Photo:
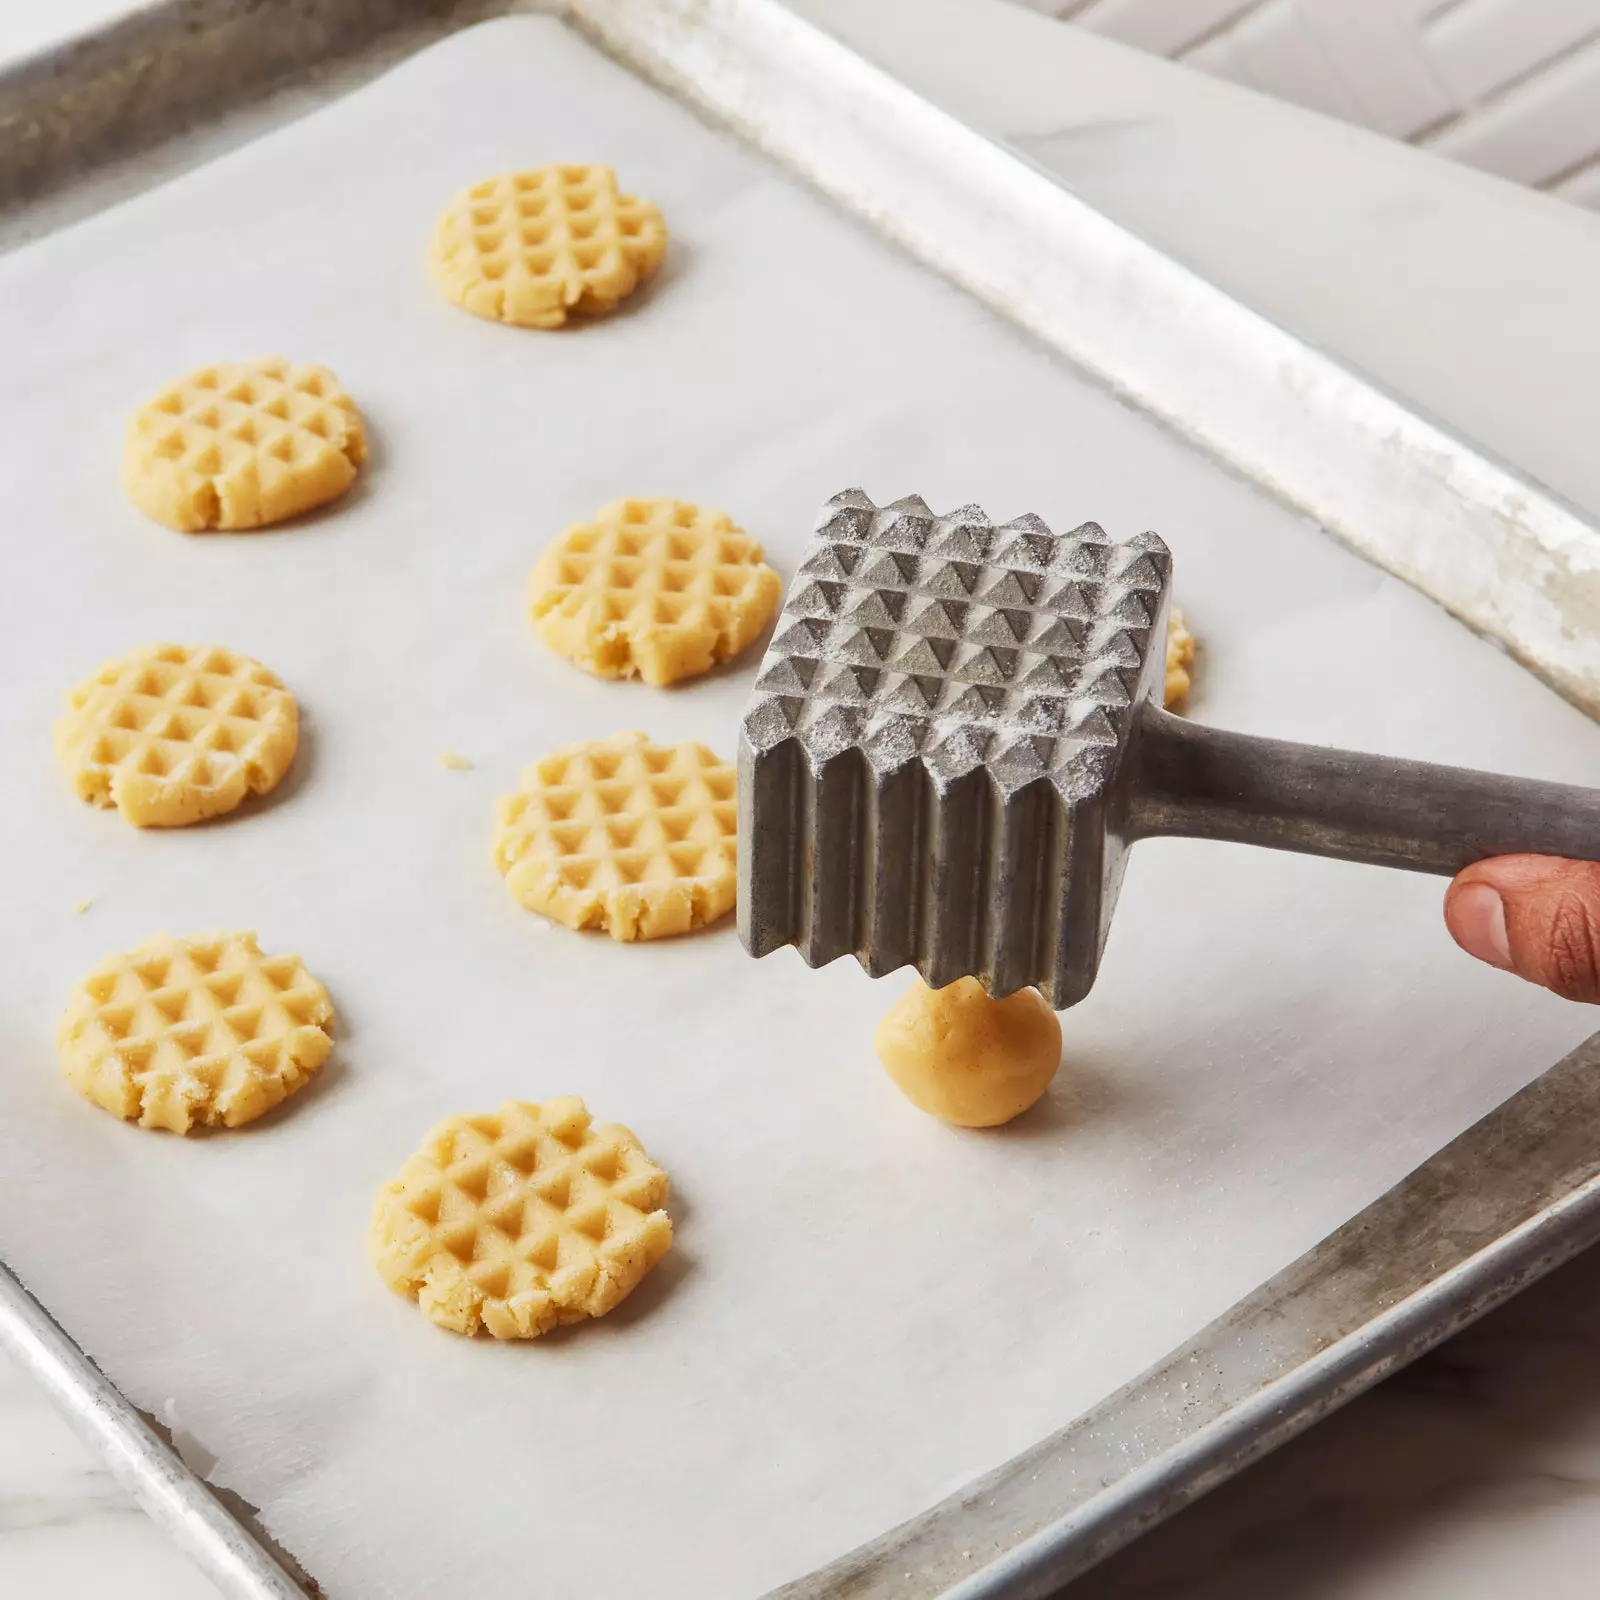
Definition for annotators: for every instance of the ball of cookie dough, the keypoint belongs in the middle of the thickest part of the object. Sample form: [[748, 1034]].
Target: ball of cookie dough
[[967, 1059]]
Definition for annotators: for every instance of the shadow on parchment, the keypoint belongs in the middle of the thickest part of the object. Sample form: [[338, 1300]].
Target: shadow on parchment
[[1082, 1092]]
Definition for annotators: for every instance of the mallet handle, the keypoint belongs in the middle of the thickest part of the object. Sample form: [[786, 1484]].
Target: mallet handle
[[1206, 783]]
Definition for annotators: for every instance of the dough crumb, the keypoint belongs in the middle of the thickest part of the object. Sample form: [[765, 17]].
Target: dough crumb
[[80, 906], [968, 1059], [1180, 661], [453, 761]]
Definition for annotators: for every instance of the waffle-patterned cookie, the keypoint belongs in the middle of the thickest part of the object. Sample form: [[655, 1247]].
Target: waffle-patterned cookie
[[173, 734], [517, 1220], [199, 1030], [1180, 661], [531, 247], [655, 589], [242, 445], [622, 834]]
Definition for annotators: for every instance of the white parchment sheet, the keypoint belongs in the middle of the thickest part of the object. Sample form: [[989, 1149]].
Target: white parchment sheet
[[864, 1308]]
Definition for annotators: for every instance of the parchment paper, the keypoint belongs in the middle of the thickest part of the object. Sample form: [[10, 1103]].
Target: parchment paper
[[864, 1308]]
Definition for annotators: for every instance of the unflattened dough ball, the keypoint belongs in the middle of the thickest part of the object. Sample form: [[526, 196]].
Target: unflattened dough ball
[[243, 444], [967, 1059]]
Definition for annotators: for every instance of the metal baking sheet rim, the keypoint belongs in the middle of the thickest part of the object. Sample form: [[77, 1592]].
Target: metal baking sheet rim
[[1500, 552]]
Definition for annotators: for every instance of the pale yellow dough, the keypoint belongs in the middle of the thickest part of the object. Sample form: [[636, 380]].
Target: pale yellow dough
[[515, 1221], [967, 1059], [243, 444], [531, 247], [1180, 660], [199, 1030], [623, 835], [172, 734], [653, 589]]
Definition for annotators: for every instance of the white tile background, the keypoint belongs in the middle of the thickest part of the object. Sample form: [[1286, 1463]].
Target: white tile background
[[1511, 86]]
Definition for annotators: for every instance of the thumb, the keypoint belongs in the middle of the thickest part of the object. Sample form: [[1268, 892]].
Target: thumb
[[1534, 916]]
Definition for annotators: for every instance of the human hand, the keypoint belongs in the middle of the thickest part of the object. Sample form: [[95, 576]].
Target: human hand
[[1532, 915]]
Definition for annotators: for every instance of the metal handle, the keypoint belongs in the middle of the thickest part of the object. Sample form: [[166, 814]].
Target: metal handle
[[1205, 783]]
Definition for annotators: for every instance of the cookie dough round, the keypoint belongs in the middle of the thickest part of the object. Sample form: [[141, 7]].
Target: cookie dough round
[[514, 1221], [172, 734], [241, 445], [531, 247], [965, 1058], [199, 1030], [623, 835], [652, 589]]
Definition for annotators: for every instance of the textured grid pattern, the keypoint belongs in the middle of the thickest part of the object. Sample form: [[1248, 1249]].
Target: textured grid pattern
[[517, 1220], [240, 446], [658, 588], [623, 835], [200, 1030], [172, 734], [965, 643], [530, 247]]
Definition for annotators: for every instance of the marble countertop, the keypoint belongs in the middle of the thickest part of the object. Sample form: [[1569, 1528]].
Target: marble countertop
[[1472, 1475], [66, 1528], [1475, 1473]]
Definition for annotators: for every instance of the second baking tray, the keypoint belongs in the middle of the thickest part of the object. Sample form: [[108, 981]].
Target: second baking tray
[[866, 1313]]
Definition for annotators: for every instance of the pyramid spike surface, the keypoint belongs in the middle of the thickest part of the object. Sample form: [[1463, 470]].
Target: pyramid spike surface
[[981, 684], [910, 505]]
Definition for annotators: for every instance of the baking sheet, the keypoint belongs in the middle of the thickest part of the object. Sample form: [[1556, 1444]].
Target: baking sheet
[[864, 1309]]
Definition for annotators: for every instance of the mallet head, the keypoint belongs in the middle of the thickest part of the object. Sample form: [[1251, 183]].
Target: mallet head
[[929, 762]]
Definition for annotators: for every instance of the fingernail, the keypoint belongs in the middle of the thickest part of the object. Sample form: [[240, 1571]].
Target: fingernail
[[1478, 916]]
